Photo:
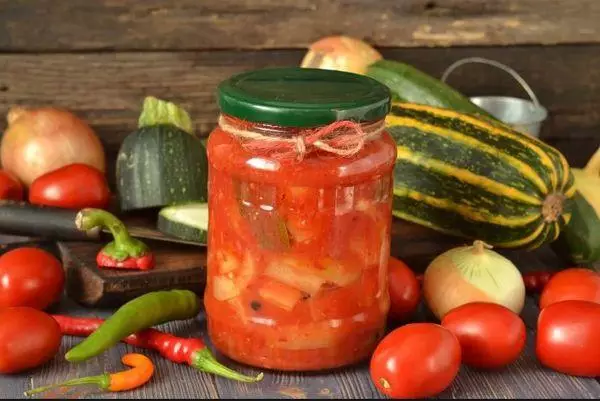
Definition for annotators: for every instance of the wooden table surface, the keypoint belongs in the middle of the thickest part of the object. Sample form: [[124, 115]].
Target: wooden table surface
[[523, 379]]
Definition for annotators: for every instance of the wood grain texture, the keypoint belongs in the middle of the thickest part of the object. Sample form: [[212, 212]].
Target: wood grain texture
[[50, 25], [524, 379], [107, 89], [178, 266]]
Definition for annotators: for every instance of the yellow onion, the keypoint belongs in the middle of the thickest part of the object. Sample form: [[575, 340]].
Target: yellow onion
[[341, 53], [473, 273], [40, 140]]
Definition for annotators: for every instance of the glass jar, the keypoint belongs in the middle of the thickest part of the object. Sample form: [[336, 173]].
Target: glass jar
[[299, 228]]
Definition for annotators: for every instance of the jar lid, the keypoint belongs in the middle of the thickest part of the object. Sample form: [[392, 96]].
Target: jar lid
[[303, 97]]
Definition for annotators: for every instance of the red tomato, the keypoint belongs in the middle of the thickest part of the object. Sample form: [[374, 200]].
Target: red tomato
[[75, 186], [490, 335], [28, 339], [405, 291], [571, 284], [417, 360], [31, 277], [10, 187], [568, 337]]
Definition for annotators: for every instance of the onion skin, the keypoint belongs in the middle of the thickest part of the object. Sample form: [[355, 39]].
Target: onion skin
[[464, 275], [40, 140], [341, 53]]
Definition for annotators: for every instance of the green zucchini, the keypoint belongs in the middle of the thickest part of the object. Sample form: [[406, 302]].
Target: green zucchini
[[476, 178], [406, 83], [580, 240], [186, 221], [162, 163], [411, 85]]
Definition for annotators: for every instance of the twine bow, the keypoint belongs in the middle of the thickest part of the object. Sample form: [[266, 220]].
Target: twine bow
[[343, 138]]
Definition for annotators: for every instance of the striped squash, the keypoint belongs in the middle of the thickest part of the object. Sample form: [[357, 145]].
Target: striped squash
[[477, 178]]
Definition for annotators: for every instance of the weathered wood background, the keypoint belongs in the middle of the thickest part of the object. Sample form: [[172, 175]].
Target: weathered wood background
[[100, 58]]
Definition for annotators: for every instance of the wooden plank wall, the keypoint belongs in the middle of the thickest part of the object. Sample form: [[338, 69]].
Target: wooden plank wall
[[99, 58]]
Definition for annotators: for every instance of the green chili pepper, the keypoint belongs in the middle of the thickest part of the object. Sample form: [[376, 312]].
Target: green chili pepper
[[138, 314], [124, 251]]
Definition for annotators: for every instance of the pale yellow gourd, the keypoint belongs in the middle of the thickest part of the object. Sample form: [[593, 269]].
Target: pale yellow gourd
[[587, 181], [579, 241]]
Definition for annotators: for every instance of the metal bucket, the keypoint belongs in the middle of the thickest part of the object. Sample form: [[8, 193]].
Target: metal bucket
[[524, 115]]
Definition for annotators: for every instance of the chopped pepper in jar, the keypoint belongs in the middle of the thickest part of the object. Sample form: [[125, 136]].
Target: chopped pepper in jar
[[300, 192]]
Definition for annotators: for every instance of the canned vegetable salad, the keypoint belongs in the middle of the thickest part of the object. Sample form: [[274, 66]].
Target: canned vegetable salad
[[300, 192]]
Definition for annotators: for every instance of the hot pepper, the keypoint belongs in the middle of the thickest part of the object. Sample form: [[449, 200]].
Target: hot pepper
[[140, 373], [138, 314], [536, 281], [191, 351], [124, 252]]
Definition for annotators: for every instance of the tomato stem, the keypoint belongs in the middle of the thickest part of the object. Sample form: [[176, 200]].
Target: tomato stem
[[102, 381], [123, 246], [384, 383], [204, 360]]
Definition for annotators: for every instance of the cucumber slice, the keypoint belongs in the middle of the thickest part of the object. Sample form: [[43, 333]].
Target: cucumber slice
[[186, 221]]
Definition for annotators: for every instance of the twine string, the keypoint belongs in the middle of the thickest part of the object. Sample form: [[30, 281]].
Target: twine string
[[344, 138]]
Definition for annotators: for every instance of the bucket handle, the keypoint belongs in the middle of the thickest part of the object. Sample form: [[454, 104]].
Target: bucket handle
[[497, 64]]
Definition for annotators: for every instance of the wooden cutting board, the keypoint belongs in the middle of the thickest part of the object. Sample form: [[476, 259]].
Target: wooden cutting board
[[177, 266]]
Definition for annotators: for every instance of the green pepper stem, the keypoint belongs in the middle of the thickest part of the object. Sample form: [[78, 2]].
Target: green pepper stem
[[102, 381], [156, 112], [123, 246], [205, 361]]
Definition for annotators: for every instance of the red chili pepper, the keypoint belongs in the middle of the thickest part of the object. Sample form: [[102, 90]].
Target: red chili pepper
[[145, 262], [536, 281], [191, 351], [124, 252]]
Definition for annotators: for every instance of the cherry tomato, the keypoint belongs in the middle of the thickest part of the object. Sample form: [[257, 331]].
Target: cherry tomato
[[10, 187], [570, 284], [418, 360], [491, 336], [536, 281], [531, 281], [405, 291], [568, 337], [544, 278], [28, 339], [31, 277], [75, 186]]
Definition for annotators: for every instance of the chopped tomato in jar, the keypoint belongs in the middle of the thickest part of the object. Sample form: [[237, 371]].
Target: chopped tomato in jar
[[298, 247]]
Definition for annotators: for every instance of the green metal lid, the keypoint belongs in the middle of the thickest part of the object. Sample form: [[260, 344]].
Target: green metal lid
[[303, 97]]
